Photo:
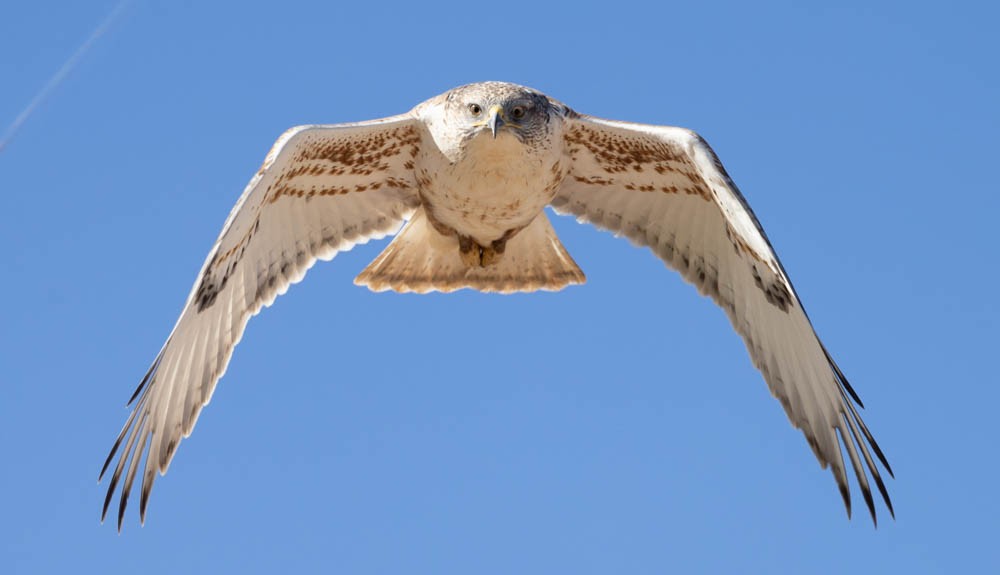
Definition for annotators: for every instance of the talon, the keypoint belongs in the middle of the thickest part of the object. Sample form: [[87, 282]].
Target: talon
[[472, 258], [471, 253], [476, 256], [490, 256]]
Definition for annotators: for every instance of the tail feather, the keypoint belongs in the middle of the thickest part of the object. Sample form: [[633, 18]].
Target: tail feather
[[421, 259]]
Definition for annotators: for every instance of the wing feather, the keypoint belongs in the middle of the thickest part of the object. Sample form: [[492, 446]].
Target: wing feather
[[321, 190], [664, 188]]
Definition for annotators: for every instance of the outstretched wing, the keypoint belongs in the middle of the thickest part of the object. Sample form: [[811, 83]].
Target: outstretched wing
[[664, 188], [321, 190]]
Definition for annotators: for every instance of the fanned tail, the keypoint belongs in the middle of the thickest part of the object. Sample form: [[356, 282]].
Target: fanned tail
[[421, 259]]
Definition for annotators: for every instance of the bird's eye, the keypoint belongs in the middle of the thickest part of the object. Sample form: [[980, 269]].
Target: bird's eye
[[517, 112], [475, 109]]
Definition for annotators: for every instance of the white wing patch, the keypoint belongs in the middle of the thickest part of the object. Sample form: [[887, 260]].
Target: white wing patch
[[664, 188], [321, 190]]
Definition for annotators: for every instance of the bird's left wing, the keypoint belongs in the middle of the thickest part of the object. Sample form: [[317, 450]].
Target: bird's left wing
[[664, 188], [321, 190]]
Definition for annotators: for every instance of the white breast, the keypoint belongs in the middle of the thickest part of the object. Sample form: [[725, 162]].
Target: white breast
[[496, 186]]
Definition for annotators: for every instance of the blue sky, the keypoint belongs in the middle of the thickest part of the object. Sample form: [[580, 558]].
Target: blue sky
[[613, 427]]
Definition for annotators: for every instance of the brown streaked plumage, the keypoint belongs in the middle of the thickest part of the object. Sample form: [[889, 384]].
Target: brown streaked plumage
[[470, 173]]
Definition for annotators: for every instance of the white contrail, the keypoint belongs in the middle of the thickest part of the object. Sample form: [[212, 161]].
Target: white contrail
[[60, 74]]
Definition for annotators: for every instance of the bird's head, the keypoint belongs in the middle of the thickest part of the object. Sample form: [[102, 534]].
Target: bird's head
[[496, 109]]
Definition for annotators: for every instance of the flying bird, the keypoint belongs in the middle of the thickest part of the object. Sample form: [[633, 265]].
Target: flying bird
[[468, 174]]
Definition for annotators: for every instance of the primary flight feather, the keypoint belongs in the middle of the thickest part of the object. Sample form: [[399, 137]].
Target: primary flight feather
[[470, 173]]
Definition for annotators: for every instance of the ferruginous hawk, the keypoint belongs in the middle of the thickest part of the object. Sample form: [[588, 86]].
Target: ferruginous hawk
[[470, 172]]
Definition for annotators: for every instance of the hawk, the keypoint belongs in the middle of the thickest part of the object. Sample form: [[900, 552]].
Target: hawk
[[468, 174]]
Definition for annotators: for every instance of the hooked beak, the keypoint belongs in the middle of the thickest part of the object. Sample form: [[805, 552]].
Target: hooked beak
[[496, 120]]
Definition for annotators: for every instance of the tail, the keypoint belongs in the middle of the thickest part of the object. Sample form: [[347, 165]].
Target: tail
[[420, 259]]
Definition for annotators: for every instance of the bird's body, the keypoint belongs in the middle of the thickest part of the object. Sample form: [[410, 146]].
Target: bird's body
[[496, 186], [471, 172]]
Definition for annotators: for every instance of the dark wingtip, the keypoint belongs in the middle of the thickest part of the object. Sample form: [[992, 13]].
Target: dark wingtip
[[107, 503], [851, 419], [870, 502], [878, 452], [121, 509], [145, 378], [143, 500], [842, 378], [114, 448], [845, 493], [118, 443], [885, 494], [107, 461], [871, 440], [110, 494]]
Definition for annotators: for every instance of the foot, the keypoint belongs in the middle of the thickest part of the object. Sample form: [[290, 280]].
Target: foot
[[470, 252], [490, 256]]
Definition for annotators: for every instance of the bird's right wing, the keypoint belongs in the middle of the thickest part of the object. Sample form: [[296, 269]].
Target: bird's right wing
[[321, 190]]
